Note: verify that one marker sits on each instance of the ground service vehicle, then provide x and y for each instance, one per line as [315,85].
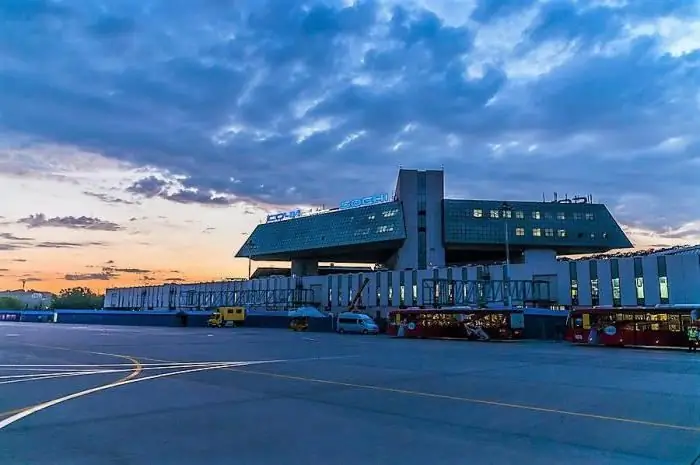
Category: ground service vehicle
[458,322]
[352,322]
[659,326]
[227,316]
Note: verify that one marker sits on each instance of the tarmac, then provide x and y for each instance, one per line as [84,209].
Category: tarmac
[78,395]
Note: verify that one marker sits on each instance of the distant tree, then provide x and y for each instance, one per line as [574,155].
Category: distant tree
[78,298]
[11,303]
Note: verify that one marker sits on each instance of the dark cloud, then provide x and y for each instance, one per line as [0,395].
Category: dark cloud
[284,103]
[12,237]
[131,270]
[40,220]
[108,272]
[88,277]
[151,187]
[66,245]
[175,280]
[19,260]
[109,199]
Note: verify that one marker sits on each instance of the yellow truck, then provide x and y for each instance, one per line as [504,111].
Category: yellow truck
[227,316]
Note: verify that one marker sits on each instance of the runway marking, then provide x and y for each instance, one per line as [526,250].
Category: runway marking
[43,406]
[492,403]
[97,365]
[369,387]
[136,371]
[10,379]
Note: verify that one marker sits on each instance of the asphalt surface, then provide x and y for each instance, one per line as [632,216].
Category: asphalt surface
[330,399]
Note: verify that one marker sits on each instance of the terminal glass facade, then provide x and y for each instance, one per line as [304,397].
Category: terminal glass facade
[352,227]
[562,226]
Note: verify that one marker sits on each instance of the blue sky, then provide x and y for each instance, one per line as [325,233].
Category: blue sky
[140,129]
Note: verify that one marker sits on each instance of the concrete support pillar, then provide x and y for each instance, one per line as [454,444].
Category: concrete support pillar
[306,267]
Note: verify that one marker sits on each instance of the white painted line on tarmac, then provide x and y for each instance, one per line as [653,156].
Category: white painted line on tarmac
[98,365]
[39,376]
[49,376]
[38,408]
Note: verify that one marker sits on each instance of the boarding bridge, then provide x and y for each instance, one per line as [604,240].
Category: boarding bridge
[481,293]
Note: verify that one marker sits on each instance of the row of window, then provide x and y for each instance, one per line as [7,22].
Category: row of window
[385,214]
[536,215]
[549,232]
[616,292]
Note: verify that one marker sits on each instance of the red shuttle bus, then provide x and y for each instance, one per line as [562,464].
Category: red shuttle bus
[659,326]
[458,323]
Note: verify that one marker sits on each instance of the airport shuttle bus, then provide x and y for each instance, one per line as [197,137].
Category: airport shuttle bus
[457,322]
[659,326]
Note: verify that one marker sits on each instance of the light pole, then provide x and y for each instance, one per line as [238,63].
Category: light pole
[506,211]
[251,247]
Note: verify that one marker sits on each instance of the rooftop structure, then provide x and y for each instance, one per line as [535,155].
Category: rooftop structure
[418,228]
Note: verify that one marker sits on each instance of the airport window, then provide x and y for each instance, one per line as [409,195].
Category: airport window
[494,213]
[507,213]
[574,292]
[561,233]
[414,287]
[519,215]
[371,217]
[519,231]
[549,232]
[592,235]
[477,213]
[616,292]
[663,289]
[537,232]
[561,216]
[590,216]
[639,284]
[547,215]
[536,215]
[383,229]
[605,235]
[578,216]
[595,292]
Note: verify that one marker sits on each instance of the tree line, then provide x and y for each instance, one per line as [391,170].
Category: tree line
[78,298]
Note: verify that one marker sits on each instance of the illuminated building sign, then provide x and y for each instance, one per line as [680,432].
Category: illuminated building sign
[284,216]
[364,201]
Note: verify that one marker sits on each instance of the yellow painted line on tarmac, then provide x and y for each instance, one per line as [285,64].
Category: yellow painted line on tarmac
[138,368]
[466,400]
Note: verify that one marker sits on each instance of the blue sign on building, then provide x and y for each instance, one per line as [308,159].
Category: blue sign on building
[283,216]
[364,201]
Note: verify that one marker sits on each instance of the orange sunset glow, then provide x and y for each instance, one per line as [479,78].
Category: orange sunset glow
[74,224]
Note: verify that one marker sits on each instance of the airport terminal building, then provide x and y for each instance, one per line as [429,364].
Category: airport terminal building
[429,250]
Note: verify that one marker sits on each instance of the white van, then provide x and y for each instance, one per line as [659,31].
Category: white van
[349,322]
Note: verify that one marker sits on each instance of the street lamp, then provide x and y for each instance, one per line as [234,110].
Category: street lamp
[506,212]
[251,246]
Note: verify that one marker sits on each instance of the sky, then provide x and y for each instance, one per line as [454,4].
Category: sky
[141,140]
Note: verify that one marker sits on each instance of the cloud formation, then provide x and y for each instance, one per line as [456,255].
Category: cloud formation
[151,187]
[281,102]
[40,220]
